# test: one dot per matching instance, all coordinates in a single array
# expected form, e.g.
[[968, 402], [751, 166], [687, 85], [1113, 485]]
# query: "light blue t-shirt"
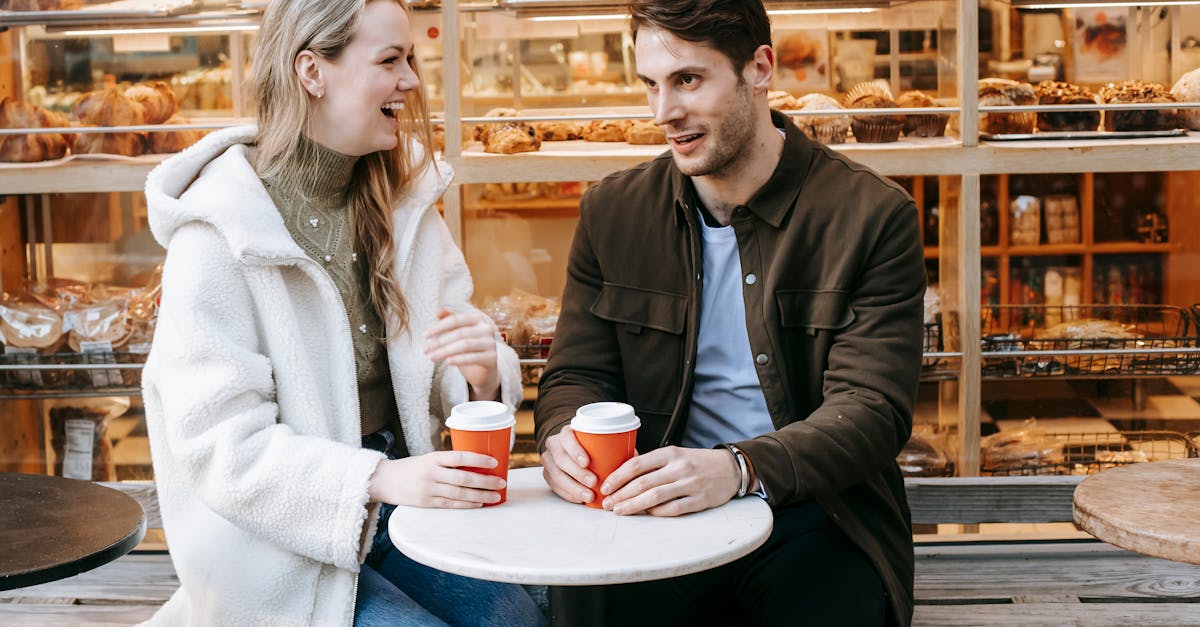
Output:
[[727, 400]]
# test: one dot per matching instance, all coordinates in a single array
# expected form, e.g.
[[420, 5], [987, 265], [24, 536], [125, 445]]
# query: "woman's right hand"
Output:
[[436, 480]]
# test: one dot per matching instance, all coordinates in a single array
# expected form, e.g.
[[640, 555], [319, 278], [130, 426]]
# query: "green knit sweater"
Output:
[[312, 199]]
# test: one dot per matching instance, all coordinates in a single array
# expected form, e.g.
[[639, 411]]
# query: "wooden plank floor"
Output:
[[124, 592]]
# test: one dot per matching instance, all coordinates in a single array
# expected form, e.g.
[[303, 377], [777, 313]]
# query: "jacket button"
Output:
[[751, 279], [762, 359]]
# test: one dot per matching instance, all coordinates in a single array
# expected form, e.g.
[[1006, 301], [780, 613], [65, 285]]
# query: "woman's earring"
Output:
[[320, 94]]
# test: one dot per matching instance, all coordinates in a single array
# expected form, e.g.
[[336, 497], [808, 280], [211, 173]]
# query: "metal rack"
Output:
[[1089, 453]]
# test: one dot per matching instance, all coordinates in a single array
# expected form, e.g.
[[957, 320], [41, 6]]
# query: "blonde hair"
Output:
[[380, 179]]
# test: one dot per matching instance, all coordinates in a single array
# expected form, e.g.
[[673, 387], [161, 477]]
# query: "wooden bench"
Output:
[[958, 583], [1023, 582]]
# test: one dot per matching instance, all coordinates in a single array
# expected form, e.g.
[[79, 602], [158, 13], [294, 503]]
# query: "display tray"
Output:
[[67, 375], [1050, 453], [1081, 135], [1142, 333], [118, 9]]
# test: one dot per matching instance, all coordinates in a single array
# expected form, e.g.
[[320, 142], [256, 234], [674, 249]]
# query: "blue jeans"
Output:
[[395, 590]]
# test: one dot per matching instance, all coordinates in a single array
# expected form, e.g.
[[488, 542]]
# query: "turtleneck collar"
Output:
[[320, 176]]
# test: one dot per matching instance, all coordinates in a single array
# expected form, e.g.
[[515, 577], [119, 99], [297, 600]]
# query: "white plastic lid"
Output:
[[480, 416], [606, 417]]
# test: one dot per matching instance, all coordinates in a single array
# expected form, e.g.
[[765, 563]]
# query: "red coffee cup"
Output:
[[483, 427], [608, 432]]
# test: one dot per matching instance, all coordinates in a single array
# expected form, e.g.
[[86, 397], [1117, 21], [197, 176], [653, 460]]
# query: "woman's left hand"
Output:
[[467, 340]]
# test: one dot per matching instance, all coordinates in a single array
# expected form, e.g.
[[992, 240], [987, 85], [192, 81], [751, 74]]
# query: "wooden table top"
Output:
[[1151, 508], [52, 528], [535, 537]]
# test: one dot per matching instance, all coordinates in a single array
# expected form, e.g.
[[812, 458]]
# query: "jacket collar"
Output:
[[775, 199]]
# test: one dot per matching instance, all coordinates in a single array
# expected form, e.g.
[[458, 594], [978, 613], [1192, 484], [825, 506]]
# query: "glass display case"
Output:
[[1023, 231]]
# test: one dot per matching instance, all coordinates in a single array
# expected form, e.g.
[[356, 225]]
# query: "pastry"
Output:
[[1004, 92], [31, 147], [873, 129], [438, 136], [157, 99], [1137, 120], [1059, 93], [481, 130], [1187, 89], [29, 325], [511, 138], [606, 130], [164, 142], [99, 322], [108, 107], [930, 125], [781, 101], [127, 144], [645, 132], [827, 129], [559, 131]]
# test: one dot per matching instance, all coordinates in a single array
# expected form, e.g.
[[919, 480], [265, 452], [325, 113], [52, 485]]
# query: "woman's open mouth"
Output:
[[390, 109]]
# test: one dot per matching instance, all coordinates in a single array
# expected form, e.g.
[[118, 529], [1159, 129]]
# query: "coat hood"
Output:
[[214, 181]]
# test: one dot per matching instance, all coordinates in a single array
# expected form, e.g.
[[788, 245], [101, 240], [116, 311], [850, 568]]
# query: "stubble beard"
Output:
[[730, 143]]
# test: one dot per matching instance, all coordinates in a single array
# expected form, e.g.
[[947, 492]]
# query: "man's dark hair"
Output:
[[736, 28]]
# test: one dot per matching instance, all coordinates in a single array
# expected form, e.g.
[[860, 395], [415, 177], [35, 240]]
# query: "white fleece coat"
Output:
[[251, 397]]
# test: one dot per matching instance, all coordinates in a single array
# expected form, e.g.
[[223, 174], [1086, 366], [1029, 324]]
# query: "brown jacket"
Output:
[[833, 314]]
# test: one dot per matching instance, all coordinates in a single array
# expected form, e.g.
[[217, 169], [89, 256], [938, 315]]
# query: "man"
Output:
[[748, 288]]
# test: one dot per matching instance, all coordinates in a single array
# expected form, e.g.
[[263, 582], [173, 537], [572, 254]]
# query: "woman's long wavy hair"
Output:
[[380, 179]]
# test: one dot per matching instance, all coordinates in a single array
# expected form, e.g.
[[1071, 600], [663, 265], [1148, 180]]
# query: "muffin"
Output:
[[781, 101], [930, 125], [1135, 120], [873, 129], [995, 92], [1187, 89], [827, 129], [1059, 93]]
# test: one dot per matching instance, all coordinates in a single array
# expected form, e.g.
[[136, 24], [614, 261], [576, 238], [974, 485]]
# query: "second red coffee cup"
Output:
[[483, 427], [608, 432]]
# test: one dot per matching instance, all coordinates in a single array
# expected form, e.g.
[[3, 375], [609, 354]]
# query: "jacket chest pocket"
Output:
[[649, 329], [813, 311]]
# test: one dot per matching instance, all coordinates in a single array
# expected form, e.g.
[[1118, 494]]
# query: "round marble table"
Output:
[[52, 528], [537, 538], [1151, 508]]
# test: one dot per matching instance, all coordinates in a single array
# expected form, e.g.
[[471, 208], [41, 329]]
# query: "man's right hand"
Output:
[[564, 466]]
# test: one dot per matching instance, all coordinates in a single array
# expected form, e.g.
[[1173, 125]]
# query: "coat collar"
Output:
[[214, 182], [775, 199]]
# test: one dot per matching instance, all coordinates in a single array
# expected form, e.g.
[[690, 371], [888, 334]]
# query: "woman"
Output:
[[315, 329]]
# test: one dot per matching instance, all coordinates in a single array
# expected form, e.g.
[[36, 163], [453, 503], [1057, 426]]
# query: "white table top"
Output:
[[535, 537]]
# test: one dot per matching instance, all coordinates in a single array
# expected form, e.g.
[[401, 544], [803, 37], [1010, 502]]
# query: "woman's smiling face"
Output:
[[367, 84]]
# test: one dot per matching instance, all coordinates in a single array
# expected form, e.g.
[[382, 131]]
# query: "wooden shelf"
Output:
[[592, 161], [1044, 250], [534, 205], [1123, 248]]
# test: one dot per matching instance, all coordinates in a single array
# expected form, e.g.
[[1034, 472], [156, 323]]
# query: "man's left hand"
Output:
[[671, 481]]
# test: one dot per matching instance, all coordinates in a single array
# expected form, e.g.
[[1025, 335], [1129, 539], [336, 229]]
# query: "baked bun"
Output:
[[781, 101], [163, 142], [1004, 92], [512, 137], [1058, 93], [1187, 89], [559, 131], [645, 132], [1135, 120], [827, 129], [926, 125], [481, 130], [27, 148], [606, 130], [109, 107], [157, 99], [873, 129]]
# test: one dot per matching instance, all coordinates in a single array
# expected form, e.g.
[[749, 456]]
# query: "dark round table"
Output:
[[52, 528]]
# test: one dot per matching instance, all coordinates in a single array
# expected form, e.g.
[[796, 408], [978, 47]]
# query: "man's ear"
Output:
[[309, 73], [761, 69]]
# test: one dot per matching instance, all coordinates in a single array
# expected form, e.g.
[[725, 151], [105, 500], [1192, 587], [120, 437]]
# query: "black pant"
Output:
[[807, 573]]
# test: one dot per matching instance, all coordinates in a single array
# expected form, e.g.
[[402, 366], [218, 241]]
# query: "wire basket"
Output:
[[1089, 453], [65, 376], [1141, 332]]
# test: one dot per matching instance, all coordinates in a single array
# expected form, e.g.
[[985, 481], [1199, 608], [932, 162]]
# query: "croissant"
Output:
[[26, 148], [157, 99], [109, 107], [159, 142], [128, 144]]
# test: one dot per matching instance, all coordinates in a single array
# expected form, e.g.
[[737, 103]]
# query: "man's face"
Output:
[[703, 105]]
